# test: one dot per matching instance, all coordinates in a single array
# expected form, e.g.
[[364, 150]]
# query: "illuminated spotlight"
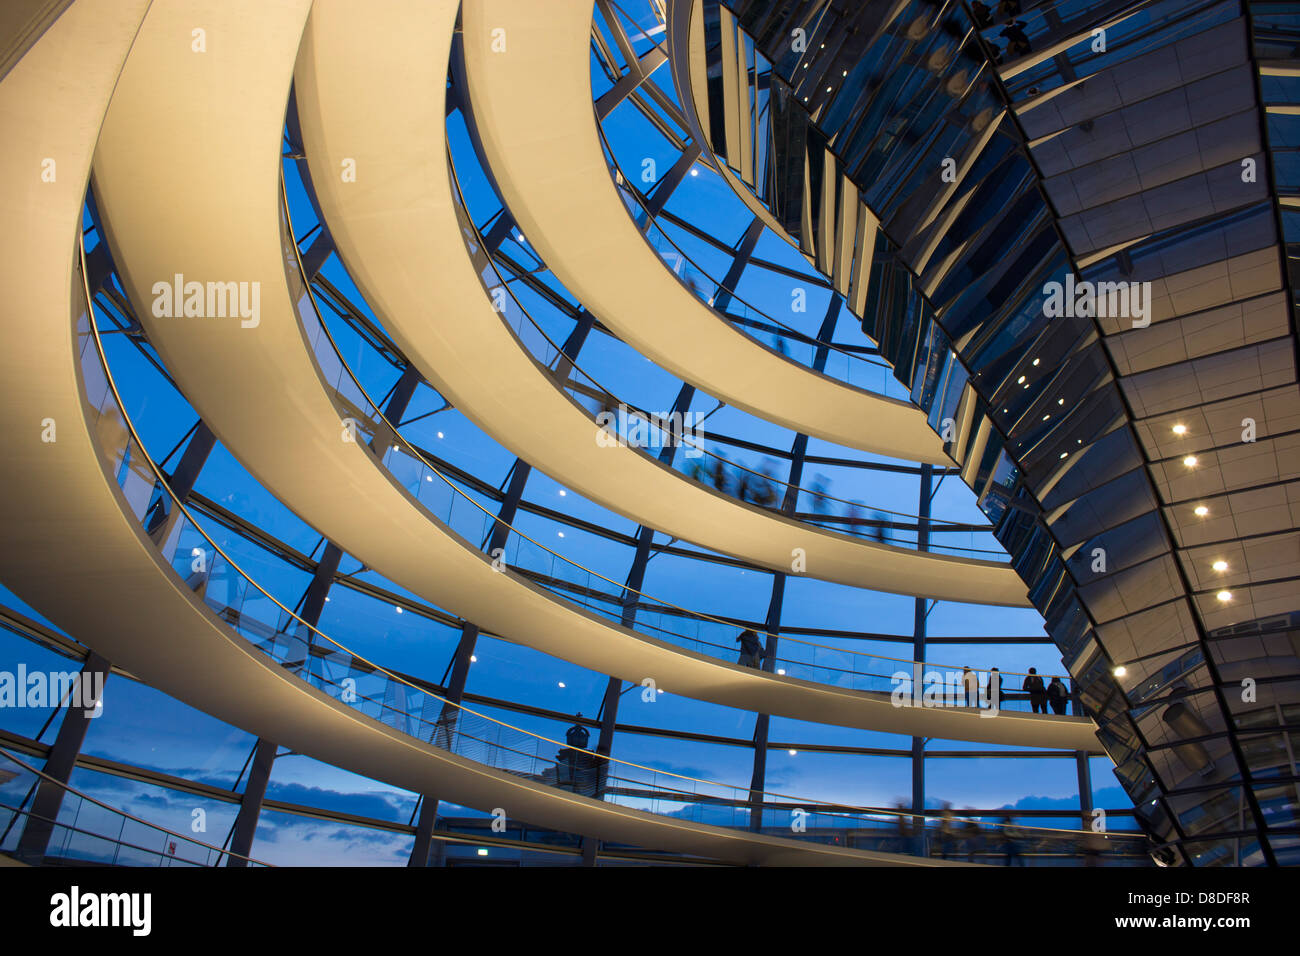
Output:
[[473, 658], [1036, 361], [781, 671], [1065, 454], [1224, 596], [1120, 671], [561, 683], [428, 477], [1220, 565], [1190, 461], [560, 533], [563, 493], [439, 434], [1202, 511], [1180, 429], [695, 172], [1060, 401], [482, 851], [794, 753], [828, 89], [397, 609], [1020, 380]]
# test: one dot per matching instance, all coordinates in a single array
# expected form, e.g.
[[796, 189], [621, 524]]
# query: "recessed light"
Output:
[[1120, 671], [561, 683], [781, 671], [1065, 454], [1020, 380], [1180, 429], [1190, 461], [1060, 401], [1220, 565], [1035, 361], [560, 533], [473, 658], [439, 434], [695, 172], [1224, 596], [794, 753], [397, 609], [563, 493], [1202, 511], [482, 851]]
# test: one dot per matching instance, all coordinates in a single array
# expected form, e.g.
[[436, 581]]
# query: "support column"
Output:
[[89, 689], [250, 804], [631, 592], [919, 616]]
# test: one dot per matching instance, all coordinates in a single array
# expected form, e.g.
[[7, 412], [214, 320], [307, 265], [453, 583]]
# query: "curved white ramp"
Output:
[[398, 215], [533, 108], [70, 547], [204, 146]]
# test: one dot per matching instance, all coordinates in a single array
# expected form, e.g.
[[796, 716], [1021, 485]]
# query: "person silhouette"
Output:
[[1033, 686], [751, 651]]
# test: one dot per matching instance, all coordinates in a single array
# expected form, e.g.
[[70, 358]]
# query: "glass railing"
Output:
[[292, 644], [88, 831], [656, 618]]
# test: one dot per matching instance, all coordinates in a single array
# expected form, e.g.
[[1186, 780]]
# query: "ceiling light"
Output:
[[482, 851], [473, 658], [1060, 401], [1120, 671], [1035, 361], [563, 493], [1065, 454], [781, 671], [561, 683], [1202, 511], [1020, 379], [439, 434], [695, 172], [560, 533], [1220, 565], [1224, 596], [1180, 429], [794, 753], [1190, 461], [397, 609]]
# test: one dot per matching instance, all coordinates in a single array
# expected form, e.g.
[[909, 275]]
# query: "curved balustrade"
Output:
[[298, 647], [708, 466], [89, 831], [414, 470]]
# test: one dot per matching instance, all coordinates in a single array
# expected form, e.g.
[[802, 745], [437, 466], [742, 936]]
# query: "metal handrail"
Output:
[[122, 813]]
